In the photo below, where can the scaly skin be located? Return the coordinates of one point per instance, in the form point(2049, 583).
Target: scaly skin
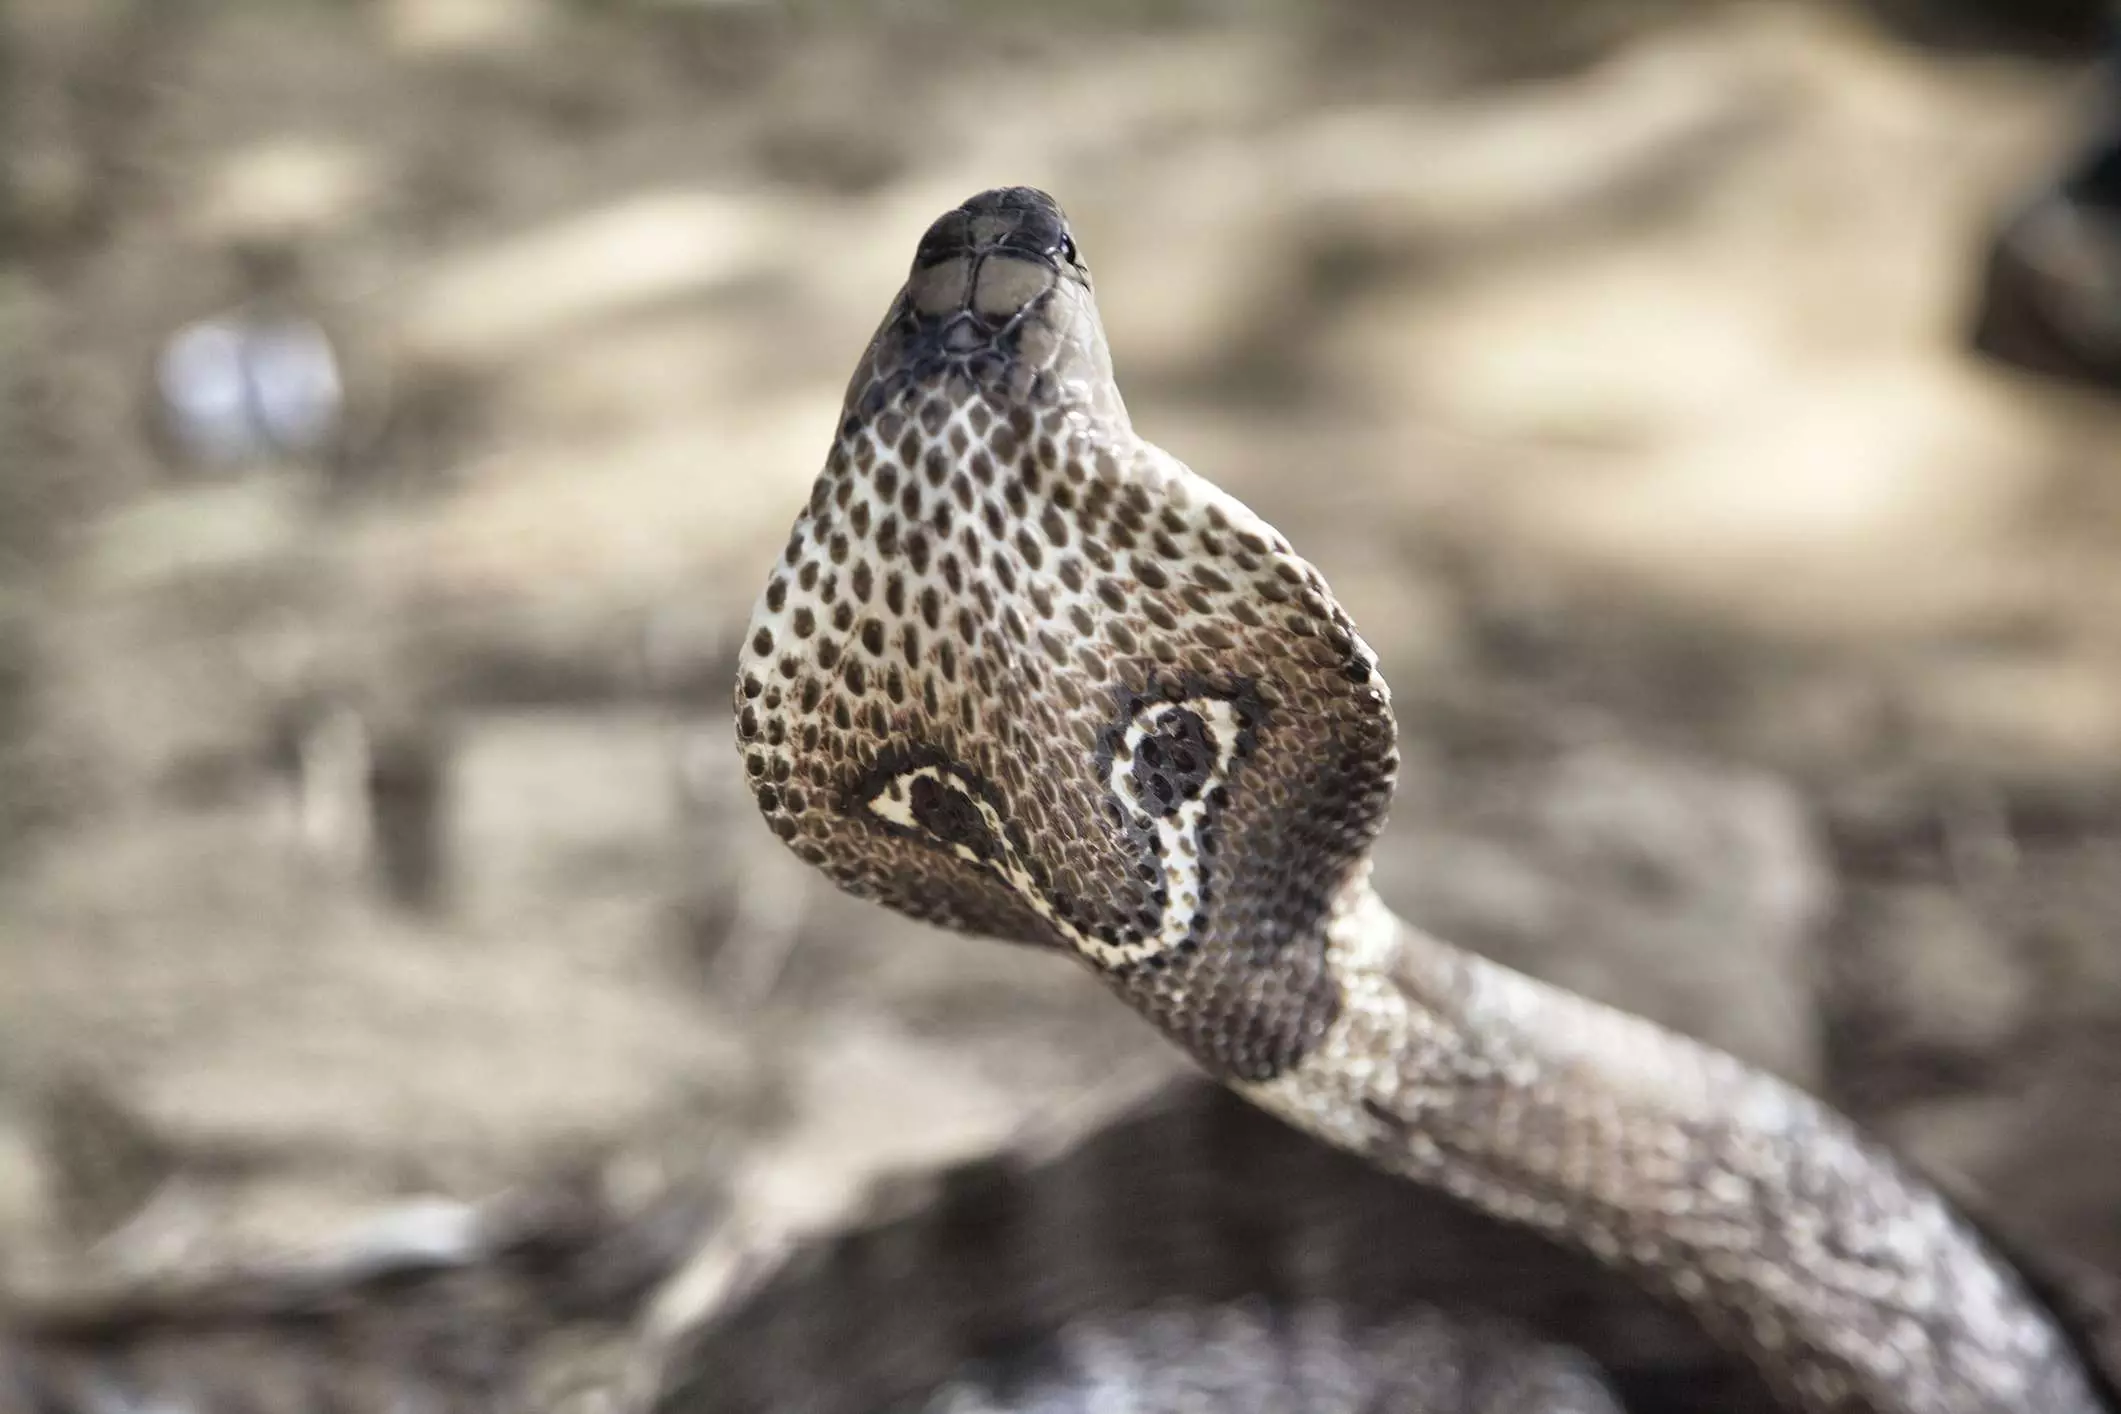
point(1193, 1252)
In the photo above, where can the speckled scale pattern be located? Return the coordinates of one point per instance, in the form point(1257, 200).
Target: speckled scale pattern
point(1245, 1359)
point(1021, 672)
point(1189, 1246)
point(1850, 1281)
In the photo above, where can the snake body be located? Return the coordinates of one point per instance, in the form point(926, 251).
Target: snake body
point(1192, 1252)
point(1022, 673)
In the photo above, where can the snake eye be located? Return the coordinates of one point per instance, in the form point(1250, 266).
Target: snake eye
point(1067, 249)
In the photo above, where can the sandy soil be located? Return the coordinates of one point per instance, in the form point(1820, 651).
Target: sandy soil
point(1759, 654)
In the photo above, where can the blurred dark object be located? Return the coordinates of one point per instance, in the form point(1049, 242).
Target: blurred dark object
point(966, 1288)
point(369, 786)
point(77, 88)
point(107, 1161)
point(2038, 26)
point(35, 514)
point(525, 1303)
point(408, 798)
point(2050, 300)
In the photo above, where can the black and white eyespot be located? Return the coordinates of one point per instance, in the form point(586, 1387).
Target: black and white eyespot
point(925, 796)
point(1174, 761)
point(1170, 764)
point(936, 801)
point(1167, 770)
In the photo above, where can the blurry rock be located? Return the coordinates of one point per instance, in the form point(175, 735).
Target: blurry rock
point(318, 745)
point(2050, 300)
point(103, 1162)
point(408, 800)
point(1934, 980)
point(523, 1303)
point(369, 792)
point(22, 791)
point(1973, 1004)
point(2057, 1158)
point(2049, 26)
point(2050, 295)
point(1515, 40)
point(44, 195)
point(282, 188)
point(2037, 1146)
point(1955, 1138)
point(1688, 890)
point(70, 76)
point(34, 521)
point(1976, 934)
point(467, 28)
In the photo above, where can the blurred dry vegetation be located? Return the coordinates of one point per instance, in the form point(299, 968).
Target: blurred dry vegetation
point(367, 819)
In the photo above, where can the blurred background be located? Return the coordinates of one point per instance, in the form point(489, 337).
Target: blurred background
point(401, 401)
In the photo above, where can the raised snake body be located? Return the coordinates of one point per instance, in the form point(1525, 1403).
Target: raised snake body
point(1024, 674)
point(1193, 1252)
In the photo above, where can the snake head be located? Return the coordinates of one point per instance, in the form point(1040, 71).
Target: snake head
point(1021, 673)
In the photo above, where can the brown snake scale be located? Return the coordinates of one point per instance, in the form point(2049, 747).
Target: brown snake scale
point(1022, 673)
point(1194, 1252)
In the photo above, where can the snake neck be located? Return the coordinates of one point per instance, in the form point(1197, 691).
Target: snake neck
point(1850, 1282)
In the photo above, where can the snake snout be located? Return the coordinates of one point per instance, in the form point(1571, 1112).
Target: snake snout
point(987, 273)
point(1021, 220)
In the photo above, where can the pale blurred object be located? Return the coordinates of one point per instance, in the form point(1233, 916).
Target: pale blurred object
point(460, 28)
point(286, 188)
point(239, 390)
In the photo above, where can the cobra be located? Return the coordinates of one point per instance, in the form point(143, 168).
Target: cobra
point(1021, 673)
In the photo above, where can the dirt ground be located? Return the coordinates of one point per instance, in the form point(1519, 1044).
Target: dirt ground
point(1758, 653)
